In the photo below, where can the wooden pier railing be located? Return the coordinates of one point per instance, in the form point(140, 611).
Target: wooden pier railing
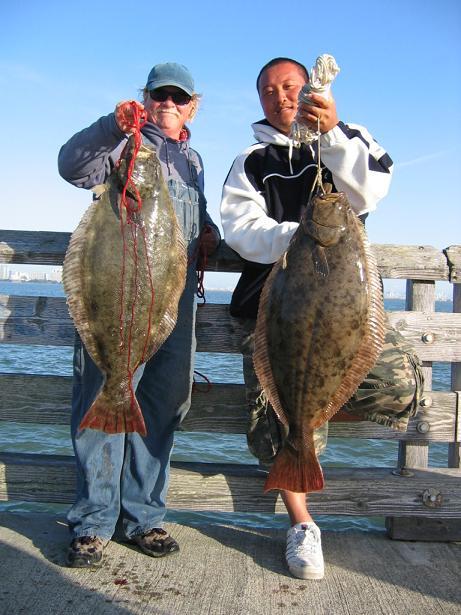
point(418, 501)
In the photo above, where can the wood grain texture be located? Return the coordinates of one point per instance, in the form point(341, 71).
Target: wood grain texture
point(26, 398)
point(394, 261)
point(239, 488)
point(436, 336)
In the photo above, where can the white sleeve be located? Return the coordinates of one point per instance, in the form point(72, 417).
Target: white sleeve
point(361, 168)
point(247, 228)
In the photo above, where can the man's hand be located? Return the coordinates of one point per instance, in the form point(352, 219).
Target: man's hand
point(125, 115)
point(320, 108)
point(209, 239)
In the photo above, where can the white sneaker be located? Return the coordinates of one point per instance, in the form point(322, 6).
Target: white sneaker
point(304, 551)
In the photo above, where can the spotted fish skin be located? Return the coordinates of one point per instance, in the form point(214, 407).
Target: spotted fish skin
point(123, 275)
point(320, 329)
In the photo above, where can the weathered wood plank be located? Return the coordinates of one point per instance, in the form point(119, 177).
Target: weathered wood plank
point(453, 255)
point(49, 248)
point(394, 261)
point(423, 529)
point(434, 335)
point(224, 259)
point(39, 399)
point(454, 450)
point(411, 262)
point(32, 247)
point(35, 320)
point(420, 295)
point(238, 488)
point(45, 321)
point(26, 398)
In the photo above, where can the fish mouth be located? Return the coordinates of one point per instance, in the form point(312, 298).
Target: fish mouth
point(328, 226)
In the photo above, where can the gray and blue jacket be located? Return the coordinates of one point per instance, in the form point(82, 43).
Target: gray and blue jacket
point(88, 158)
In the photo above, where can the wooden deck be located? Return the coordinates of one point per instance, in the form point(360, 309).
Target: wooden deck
point(225, 570)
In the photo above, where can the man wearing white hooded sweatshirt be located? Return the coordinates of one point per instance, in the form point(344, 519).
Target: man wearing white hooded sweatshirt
point(263, 197)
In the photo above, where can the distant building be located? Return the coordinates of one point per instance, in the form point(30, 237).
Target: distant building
point(4, 272)
point(18, 276)
point(53, 275)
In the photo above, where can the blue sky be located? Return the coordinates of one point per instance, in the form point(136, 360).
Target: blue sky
point(64, 64)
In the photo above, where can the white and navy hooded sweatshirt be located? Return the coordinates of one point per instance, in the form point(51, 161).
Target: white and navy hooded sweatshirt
point(270, 183)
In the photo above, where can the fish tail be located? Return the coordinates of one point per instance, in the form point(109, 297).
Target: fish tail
point(127, 419)
point(296, 471)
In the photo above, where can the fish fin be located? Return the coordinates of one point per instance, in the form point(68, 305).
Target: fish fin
point(127, 419)
point(73, 282)
point(372, 343)
point(261, 358)
point(296, 470)
point(320, 261)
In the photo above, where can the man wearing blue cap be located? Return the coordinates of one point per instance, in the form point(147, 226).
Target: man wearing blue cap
point(123, 478)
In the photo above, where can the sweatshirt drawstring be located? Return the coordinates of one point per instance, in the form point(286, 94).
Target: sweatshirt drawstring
point(167, 156)
point(290, 155)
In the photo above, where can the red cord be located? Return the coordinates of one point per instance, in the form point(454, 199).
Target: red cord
point(133, 206)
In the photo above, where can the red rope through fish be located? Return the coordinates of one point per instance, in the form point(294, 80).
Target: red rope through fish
point(131, 218)
point(132, 208)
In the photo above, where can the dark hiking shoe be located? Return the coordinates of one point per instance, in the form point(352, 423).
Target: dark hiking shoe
point(86, 552)
point(156, 543)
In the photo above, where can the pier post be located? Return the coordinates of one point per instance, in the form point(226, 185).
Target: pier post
point(454, 448)
point(420, 295)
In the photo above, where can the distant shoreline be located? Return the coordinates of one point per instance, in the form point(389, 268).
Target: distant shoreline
point(30, 281)
point(389, 295)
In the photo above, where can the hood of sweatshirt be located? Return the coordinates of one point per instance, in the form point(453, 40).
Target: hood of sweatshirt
point(179, 161)
point(265, 133)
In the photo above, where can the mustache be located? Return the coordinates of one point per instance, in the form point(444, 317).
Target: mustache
point(161, 110)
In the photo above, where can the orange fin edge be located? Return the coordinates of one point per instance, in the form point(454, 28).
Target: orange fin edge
point(292, 471)
point(130, 420)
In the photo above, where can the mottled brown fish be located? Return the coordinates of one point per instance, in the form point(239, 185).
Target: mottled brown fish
point(320, 329)
point(123, 275)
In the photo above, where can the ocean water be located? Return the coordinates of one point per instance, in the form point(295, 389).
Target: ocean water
point(227, 448)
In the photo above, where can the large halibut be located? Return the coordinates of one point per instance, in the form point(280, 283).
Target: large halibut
point(320, 329)
point(124, 273)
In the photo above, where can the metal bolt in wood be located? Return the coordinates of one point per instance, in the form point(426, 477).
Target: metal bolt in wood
point(423, 427)
point(432, 498)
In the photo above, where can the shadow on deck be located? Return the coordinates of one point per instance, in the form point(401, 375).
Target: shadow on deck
point(223, 570)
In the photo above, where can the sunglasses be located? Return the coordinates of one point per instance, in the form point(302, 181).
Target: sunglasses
point(179, 98)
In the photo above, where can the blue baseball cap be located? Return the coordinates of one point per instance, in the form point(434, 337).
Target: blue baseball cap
point(170, 74)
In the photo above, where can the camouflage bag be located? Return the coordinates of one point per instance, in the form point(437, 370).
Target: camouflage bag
point(389, 395)
point(391, 392)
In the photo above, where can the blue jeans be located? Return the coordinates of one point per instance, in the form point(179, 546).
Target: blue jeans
point(122, 479)
point(126, 475)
